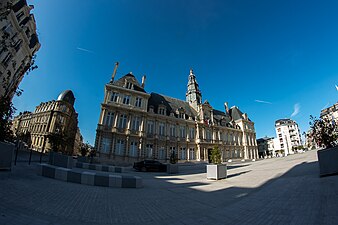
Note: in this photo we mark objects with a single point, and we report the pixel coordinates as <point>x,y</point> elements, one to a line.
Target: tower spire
<point>193,95</point>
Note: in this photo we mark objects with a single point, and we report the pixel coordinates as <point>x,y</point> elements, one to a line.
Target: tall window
<point>150,127</point>
<point>136,123</point>
<point>192,133</point>
<point>183,154</point>
<point>182,131</point>
<point>105,145</point>
<point>126,99</point>
<point>191,153</point>
<point>123,121</point>
<point>161,153</point>
<point>133,149</point>
<point>172,131</point>
<point>119,147</point>
<point>161,129</point>
<point>114,96</point>
<point>109,119</point>
<point>208,134</point>
<point>149,150</point>
<point>138,102</point>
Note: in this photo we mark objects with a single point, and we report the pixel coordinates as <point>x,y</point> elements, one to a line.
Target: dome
<point>67,96</point>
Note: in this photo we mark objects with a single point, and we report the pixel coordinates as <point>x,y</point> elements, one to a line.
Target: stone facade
<point>135,125</point>
<point>19,43</point>
<point>49,117</point>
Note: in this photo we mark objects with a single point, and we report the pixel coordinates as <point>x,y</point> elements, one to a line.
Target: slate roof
<point>235,113</point>
<point>219,115</point>
<point>171,104</point>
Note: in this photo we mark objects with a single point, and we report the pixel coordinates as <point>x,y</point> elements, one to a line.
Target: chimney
<point>114,73</point>
<point>143,80</point>
<point>226,107</point>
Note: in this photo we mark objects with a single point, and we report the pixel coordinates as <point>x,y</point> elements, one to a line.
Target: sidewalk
<point>275,191</point>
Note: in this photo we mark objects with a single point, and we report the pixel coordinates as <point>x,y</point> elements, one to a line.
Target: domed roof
<point>67,96</point>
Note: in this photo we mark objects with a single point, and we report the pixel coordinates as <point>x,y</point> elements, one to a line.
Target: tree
<point>56,141</point>
<point>323,131</point>
<point>85,149</point>
<point>173,158</point>
<point>6,113</point>
<point>216,157</point>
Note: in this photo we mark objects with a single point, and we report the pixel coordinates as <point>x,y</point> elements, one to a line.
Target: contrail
<point>260,101</point>
<point>85,50</point>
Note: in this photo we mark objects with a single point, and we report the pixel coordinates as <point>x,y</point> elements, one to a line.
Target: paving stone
<point>273,191</point>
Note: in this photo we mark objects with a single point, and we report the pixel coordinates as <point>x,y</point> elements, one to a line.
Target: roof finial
<point>191,71</point>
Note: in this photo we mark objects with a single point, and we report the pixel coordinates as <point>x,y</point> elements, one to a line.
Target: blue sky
<point>282,53</point>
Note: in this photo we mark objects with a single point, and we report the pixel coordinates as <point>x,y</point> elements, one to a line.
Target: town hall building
<point>136,125</point>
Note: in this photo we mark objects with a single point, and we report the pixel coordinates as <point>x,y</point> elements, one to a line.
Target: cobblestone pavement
<point>272,191</point>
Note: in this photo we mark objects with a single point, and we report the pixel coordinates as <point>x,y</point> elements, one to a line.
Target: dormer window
<point>129,85</point>
<point>180,113</point>
<point>161,111</point>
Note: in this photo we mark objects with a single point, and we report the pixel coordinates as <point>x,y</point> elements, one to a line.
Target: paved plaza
<point>272,191</point>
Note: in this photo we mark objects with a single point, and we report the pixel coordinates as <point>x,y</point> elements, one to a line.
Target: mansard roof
<point>236,113</point>
<point>131,78</point>
<point>172,104</point>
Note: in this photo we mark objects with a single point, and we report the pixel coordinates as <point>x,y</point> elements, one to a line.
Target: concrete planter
<point>172,168</point>
<point>82,159</point>
<point>60,160</point>
<point>6,155</point>
<point>216,172</point>
<point>328,161</point>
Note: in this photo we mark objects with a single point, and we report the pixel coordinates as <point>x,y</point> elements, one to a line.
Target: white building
<point>18,43</point>
<point>288,136</point>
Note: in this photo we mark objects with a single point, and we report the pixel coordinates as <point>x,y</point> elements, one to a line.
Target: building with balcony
<point>50,117</point>
<point>19,43</point>
<point>288,136</point>
<point>330,113</point>
<point>135,125</point>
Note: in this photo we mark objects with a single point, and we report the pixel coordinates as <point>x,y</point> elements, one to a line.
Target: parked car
<point>150,165</point>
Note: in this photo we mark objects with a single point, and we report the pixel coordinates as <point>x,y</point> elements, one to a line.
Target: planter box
<point>6,155</point>
<point>60,160</point>
<point>82,159</point>
<point>216,172</point>
<point>328,161</point>
<point>172,168</point>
